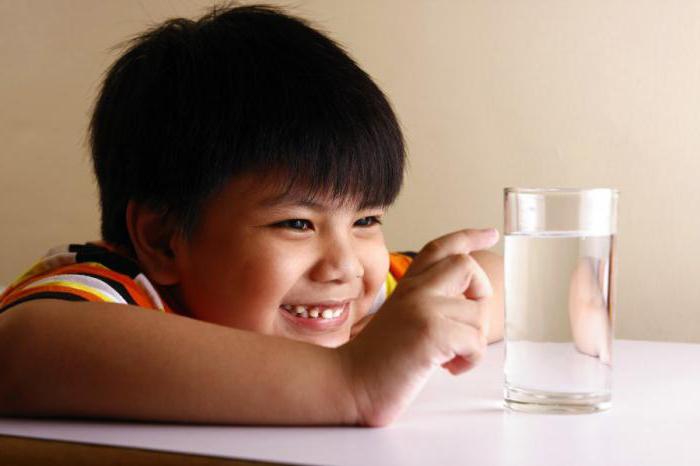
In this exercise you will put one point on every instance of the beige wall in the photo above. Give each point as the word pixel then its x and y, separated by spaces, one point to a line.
pixel 490 94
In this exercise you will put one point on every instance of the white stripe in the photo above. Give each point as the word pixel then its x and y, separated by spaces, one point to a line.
pixel 379 299
pixel 83 280
pixel 146 286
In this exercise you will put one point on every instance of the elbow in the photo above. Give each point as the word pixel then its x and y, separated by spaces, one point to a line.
pixel 13 326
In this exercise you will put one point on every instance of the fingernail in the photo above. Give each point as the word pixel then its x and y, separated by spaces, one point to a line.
pixel 489 231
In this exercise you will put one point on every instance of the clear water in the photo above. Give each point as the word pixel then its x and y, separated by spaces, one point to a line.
pixel 558 321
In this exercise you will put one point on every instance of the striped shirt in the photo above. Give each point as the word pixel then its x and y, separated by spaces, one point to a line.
pixel 98 271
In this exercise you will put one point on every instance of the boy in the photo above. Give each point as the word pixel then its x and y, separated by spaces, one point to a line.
pixel 244 162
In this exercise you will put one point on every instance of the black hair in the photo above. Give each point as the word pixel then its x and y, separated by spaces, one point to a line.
pixel 244 89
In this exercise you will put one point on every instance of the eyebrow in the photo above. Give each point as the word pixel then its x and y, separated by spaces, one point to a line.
pixel 287 200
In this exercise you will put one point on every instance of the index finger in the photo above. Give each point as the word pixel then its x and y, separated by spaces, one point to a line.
pixel 458 242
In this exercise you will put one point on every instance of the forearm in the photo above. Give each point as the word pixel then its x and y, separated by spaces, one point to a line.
pixel 101 360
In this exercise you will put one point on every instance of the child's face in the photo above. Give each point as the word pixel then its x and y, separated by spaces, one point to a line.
pixel 255 261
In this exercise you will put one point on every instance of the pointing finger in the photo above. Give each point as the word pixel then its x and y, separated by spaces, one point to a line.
pixel 459 242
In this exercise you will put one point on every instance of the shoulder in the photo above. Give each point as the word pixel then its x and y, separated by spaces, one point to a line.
pixel 83 272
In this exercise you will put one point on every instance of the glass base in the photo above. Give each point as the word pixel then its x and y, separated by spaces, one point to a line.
pixel 535 401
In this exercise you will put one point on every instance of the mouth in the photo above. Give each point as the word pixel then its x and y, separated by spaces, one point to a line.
pixel 319 317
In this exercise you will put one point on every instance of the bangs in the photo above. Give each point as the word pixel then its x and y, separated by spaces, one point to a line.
pixel 346 162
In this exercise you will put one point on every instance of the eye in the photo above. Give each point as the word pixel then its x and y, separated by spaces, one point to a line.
pixel 368 221
pixel 295 224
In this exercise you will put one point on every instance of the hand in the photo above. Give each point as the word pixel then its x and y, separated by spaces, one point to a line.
pixel 431 319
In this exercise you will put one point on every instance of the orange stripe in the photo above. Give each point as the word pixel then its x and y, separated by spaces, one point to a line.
pixel 25 282
pixel 398 264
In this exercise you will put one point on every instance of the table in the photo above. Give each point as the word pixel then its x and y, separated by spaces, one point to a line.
pixel 457 420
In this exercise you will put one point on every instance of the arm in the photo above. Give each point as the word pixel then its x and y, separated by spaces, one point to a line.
pixel 492 264
pixel 61 358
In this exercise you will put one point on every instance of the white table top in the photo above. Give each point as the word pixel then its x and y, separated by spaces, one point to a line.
pixel 460 420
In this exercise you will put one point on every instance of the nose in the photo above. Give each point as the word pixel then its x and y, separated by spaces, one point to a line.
pixel 338 261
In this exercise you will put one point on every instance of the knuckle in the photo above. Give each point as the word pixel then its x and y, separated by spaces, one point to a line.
pixel 479 342
pixel 463 263
pixel 469 232
pixel 488 291
pixel 418 303
pixel 433 247
pixel 462 260
pixel 407 286
pixel 478 316
pixel 478 328
pixel 425 328
pixel 428 325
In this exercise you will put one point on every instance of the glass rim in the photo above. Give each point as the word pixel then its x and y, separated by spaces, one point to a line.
pixel 507 190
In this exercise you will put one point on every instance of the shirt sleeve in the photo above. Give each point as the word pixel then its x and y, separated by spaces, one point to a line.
pixel 77 282
pixel 398 264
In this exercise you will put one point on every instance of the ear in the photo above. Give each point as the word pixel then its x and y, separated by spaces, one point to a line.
pixel 152 237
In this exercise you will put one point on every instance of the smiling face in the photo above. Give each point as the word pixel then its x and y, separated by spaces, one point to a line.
pixel 280 264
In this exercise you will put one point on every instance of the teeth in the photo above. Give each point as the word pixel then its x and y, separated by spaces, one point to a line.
pixel 313 313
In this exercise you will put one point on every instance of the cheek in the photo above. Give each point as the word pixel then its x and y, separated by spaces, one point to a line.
pixel 267 276
pixel 241 288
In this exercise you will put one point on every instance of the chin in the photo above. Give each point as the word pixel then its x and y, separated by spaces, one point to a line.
pixel 333 343
pixel 328 341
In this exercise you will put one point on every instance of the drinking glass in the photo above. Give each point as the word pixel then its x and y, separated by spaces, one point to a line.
pixel 559 296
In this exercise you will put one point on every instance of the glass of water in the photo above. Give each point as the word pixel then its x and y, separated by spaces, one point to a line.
pixel 559 296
